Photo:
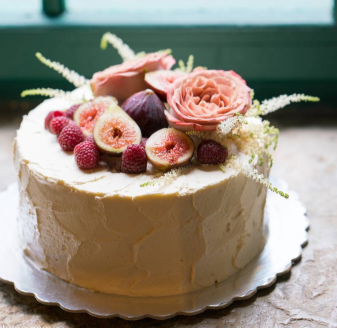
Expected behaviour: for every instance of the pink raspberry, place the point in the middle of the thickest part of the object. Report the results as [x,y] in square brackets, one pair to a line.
[134,159]
[70,111]
[211,152]
[86,155]
[70,136]
[50,116]
[91,139]
[57,124]
[143,142]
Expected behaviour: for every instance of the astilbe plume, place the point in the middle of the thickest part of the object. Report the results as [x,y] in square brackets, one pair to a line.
[48,92]
[123,49]
[76,79]
[166,178]
[271,105]
[188,67]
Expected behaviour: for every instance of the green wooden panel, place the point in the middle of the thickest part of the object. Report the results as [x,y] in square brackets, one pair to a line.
[304,57]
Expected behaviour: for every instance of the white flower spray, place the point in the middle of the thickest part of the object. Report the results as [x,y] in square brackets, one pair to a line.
[271,105]
[123,49]
[76,79]
[166,178]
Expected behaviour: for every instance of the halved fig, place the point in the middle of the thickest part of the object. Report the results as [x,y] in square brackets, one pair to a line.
[115,130]
[87,114]
[159,80]
[169,148]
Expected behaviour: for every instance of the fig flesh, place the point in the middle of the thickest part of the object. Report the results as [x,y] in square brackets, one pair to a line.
[159,80]
[87,114]
[169,148]
[115,130]
[147,110]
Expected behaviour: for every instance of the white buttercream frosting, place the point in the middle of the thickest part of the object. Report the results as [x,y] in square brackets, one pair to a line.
[103,231]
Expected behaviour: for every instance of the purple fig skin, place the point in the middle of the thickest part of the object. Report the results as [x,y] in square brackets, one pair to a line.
[147,110]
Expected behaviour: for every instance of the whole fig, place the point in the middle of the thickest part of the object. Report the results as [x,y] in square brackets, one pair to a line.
[147,110]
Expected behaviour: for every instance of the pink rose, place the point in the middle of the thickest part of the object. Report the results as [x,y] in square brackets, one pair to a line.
[202,99]
[122,81]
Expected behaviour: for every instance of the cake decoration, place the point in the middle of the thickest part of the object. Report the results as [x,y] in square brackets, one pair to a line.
[128,78]
[70,137]
[158,81]
[57,124]
[86,155]
[71,111]
[212,117]
[169,148]
[88,113]
[147,110]
[134,159]
[211,153]
[50,116]
[199,101]
[115,130]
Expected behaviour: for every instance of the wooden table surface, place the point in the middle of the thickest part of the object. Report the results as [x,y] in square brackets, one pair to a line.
[307,297]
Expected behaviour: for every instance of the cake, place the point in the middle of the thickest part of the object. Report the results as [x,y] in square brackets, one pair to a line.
[114,225]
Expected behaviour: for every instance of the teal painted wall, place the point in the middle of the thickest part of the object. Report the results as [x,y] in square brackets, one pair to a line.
[273,60]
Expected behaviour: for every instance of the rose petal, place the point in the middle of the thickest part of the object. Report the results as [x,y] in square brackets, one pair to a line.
[205,98]
[122,81]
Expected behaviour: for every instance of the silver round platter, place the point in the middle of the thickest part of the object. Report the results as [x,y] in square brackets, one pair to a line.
[286,233]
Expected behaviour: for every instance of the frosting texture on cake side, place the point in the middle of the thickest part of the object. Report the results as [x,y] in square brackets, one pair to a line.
[105,232]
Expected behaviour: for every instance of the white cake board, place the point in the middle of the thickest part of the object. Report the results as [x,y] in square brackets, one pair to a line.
[287,235]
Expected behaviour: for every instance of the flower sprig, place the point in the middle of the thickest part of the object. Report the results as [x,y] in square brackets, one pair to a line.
[271,105]
[48,92]
[222,167]
[73,77]
[123,49]
[188,67]
[166,178]
[165,51]
[223,131]
[252,173]
[256,139]
[125,52]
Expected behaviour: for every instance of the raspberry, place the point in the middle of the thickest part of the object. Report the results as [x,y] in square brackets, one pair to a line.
[134,159]
[143,142]
[57,124]
[211,152]
[91,139]
[70,111]
[50,116]
[70,136]
[86,155]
